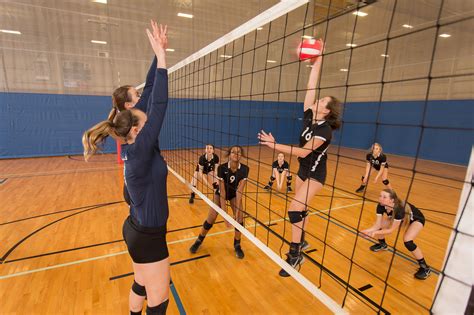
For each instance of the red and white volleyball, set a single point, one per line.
(309, 48)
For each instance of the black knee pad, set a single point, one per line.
(207, 226)
(385, 182)
(157, 310)
(272, 178)
(289, 177)
(295, 216)
(215, 186)
(410, 246)
(138, 289)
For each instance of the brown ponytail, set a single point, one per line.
(93, 139)
(334, 116)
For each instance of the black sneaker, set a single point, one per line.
(267, 188)
(303, 246)
(191, 199)
(423, 273)
(360, 189)
(288, 189)
(379, 246)
(193, 249)
(239, 253)
(293, 261)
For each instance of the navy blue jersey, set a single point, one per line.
(316, 159)
(145, 169)
(150, 79)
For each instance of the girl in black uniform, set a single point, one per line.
(206, 165)
(145, 171)
(320, 119)
(398, 212)
(376, 159)
(232, 178)
(280, 169)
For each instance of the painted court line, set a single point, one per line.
(76, 262)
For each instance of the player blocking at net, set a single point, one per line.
(319, 120)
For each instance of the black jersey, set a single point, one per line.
(414, 213)
(321, 130)
(376, 162)
(231, 179)
(283, 167)
(208, 165)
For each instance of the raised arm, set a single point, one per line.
(159, 97)
(313, 82)
(150, 79)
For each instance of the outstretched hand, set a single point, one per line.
(266, 138)
(158, 38)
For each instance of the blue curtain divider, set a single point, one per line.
(34, 125)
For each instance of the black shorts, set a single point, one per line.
(417, 216)
(205, 170)
(145, 244)
(304, 172)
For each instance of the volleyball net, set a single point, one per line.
(403, 71)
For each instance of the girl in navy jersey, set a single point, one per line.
(145, 171)
(206, 166)
(397, 213)
(319, 121)
(377, 160)
(232, 178)
(280, 170)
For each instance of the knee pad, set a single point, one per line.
(206, 225)
(272, 178)
(138, 289)
(157, 310)
(385, 182)
(295, 216)
(410, 246)
(289, 177)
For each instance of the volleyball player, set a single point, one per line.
(280, 170)
(377, 160)
(232, 178)
(320, 119)
(398, 213)
(206, 165)
(145, 170)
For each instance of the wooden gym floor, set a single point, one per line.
(62, 251)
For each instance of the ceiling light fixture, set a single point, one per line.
(307, 37)
(259, 28)
(169, 49)
(100, 1)
(343, 70)
(384, 55)
(185, 15)
(444, 35)
(11, 32)
(225, 56)
(99, 42)
(351, 45)
(360, 13)
(407, 26)
(271, 61)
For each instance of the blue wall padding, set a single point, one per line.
(48, 124)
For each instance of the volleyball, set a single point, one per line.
(309, 48)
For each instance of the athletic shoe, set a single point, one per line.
(239, 253)
(423, 273)
(191, 199)
(360, 189)
(288, 189)
(379, 246)
(304, 246)
(267, 188)
(193, 249)
(293, 261)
